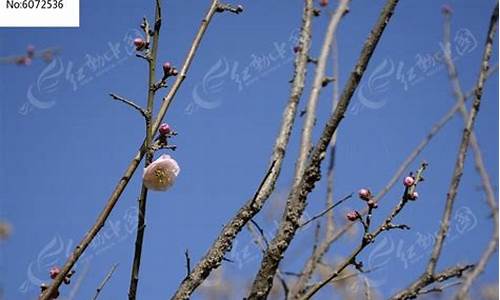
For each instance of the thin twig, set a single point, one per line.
(188, 262)
(224, 241)
(425, 280)
(368, 292)
(132, 167)
(297, 200)
(326, 210)
(261, 241)
(439, 289)
(141, 213)
(319, 75)
(104, 281)
(130, 103)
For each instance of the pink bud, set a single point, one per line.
(323, 3)
(446, 9)
(164, 129)
(167, 67)
(30, 50)
(352, 215)
(161, 174)
(23, 60)
(54, 271)
(239, 8)
(413, 196)
(174, 72)
(139, 43)
(365, 194)
(409, 181)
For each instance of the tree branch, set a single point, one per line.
(297, 199)
(322, 248)
(104, 281)
(141, 213)
(425, 280)
(459, 165)
(479, 162)
(327, 210)
(429, 273)
(224, 241)
(130, 103)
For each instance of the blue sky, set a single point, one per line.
(64, 147)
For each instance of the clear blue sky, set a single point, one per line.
(63, 151)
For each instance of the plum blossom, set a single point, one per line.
(160, 174)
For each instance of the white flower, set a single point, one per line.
(160, 174)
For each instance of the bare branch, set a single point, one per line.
(439, 289)
(130, 103)
(188, 262)
(224, 241)
(425, 280)
(141, 213)
(230, 8)
(319, 77)
(328, 209)
(368, 292)
(297, 199)
(322, 248)
(478, 158)
(459, 165)
(104, 281)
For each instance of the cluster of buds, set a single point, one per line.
(53, 272)
(365, 195)
(140, 44)
(169, 70)
(408, 182)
